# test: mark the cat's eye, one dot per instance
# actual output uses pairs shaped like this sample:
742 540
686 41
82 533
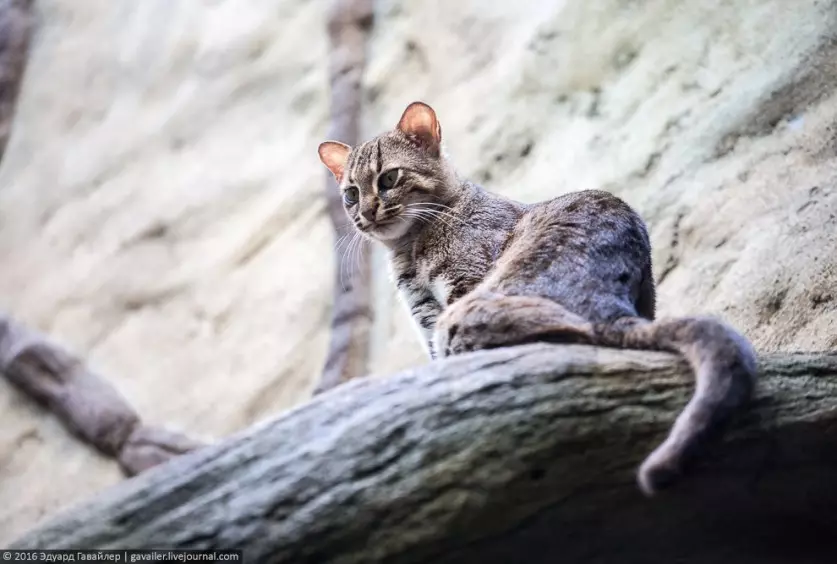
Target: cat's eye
388 179
350 196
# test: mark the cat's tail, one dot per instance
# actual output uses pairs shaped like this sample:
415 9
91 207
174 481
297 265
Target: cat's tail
724 364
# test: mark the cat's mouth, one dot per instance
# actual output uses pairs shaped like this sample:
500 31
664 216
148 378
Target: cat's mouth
371 227
385 229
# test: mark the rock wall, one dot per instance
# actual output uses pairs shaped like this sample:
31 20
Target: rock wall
161 209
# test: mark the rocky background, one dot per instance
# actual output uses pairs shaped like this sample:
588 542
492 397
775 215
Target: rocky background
161 206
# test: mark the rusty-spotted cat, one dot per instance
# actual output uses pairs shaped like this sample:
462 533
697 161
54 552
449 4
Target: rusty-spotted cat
479 271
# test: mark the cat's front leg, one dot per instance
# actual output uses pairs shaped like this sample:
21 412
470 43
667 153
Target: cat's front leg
425 310
486 320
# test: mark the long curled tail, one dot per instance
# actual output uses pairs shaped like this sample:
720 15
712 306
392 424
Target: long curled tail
725 370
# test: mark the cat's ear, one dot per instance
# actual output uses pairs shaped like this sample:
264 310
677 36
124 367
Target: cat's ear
334 156
419 124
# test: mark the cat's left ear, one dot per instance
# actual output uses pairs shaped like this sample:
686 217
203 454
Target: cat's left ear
420 125
334 155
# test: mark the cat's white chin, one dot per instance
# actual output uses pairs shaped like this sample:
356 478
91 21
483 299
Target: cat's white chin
391 231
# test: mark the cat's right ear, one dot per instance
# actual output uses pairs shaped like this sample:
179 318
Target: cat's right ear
334 156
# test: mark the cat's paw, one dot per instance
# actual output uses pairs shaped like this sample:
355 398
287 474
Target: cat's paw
441 341
449 339
438 345
472 324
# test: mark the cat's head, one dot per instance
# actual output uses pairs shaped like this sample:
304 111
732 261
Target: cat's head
397 181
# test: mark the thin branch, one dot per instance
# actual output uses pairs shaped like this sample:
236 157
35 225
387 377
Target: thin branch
85 403
16 26
349 25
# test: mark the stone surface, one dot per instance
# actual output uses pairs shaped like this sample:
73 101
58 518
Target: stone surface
714 119
160 214
160 207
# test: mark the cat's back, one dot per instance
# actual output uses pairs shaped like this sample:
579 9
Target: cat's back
588 250
592 217
590 205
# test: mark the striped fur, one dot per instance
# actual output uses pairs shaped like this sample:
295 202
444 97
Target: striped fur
479 271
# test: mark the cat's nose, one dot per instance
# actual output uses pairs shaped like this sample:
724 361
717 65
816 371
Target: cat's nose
370 213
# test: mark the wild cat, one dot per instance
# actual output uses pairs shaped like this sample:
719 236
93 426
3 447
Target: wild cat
479 271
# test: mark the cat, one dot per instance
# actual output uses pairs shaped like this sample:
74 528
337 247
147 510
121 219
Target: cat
479 271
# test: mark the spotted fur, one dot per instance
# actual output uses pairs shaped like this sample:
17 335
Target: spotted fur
479 271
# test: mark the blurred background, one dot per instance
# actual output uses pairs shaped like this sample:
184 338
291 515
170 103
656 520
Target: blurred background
162 209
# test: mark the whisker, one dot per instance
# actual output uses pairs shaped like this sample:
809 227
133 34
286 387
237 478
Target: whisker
418 206
342 262
359 253
414 215
340 270
444 213
417 212
427 214
435 206
437 215
443 206
356 254
340 240
434 212
347 260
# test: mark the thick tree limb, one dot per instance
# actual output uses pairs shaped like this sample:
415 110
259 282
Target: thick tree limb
524 454
85 403
349 25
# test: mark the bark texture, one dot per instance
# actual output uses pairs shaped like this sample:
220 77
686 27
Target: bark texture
349 25
524 454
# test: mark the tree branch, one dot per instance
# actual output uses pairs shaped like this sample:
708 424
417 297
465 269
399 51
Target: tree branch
85 403
349 25
92 409
511 455
15 35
